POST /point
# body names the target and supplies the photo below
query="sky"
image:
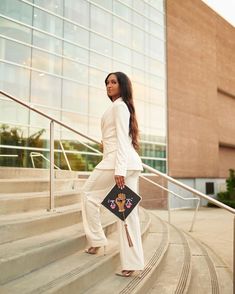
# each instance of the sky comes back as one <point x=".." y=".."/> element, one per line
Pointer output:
<point x="226" y="8"/>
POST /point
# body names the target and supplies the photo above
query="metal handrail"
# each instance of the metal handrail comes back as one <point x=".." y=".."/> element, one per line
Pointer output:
<point x="47" y="116"/>
<point x="65" y="155"/>
<point x="38" y="154"/>
<point x="178" y="196"/>
<point x="48" y="149"/>
<point x="147" y="167"/>
<point x="194" y="191"/>
<point x="53" y="120"/>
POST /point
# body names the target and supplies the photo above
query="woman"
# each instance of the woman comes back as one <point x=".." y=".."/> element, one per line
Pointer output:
<point x="121" y="165"/>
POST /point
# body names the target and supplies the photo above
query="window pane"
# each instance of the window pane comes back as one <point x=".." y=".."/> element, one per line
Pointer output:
<point x="19" y="32"/>
<point x="122" y="53"/>
<point x="98" y="102"/>
<point x="55" y="6"/>
<point x="97" y="77"/>
<point x="138" y="75"/>
<point x="156" y="15"/>
<point x="15" y="52"/>
<point x="76" y="52"/>
<point x="100" y="61"/>
<point x="47" y="22"/>
<point x="138" y="19"/>
<point x="138" y="60"/>
<point x="46" y="62"/>
<point x="122" y="31"/>
<point x="75" y="70"/>
<point x="17" y="10"/>
<point x="128" y="2"/>
<point x="105" y="3"/>
<point x="101" y="44"/>
<point x="122" y="10"/>
<point x="158" y="4"/>
<point x="11" y="112"/>
<point x="140" y="107"/>
<point x="76" y="34"/>
<point x="101" y="21"/>
<point x="76" y="121"/>
<point x="43" y="122"/>
<point x="156" y="82"/>
<point x="118" y="66"/>
<point x="156" y="48"/>
<point x="156" y="30"/>
<point x="75" y="97"/>
<point x="156" y="67"/>
<point x="138" y="39"/>
<point x="46" y="90"/>
<point x="157" y="97"/>
<point x="15" y="80"/>
<point x="138" y="5"/>
<point x="138" y="90"/>
<point x="47" y="42"/>
<point x="94" y="127"/>
<point x="157" y="119"/>
<point x="77" y="11"/>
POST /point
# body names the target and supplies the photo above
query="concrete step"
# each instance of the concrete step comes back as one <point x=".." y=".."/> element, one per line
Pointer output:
<point x="209" y="273"/>
<point x="23" y="256"/>
<point x="20" y="172"/>
<point x="38" y="185"/>
<point x="155" y="247"/>
<point x="22" y="225"/>
<point x="174" y="274"/>
<point x="30" y="201"/>
<point x="74" y="273"/>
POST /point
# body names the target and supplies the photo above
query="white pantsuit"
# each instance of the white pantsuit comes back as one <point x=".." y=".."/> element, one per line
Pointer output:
<point x="119" y="158"/>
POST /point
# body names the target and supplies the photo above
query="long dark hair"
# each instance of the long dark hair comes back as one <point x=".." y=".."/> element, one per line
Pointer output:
<point x="127" y="96"/>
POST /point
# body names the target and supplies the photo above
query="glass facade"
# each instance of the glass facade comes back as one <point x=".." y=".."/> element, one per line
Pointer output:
<point x="55" y="55"/>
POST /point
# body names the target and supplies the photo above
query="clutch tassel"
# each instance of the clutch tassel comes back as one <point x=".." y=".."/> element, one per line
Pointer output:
<point x="128" y="237"/>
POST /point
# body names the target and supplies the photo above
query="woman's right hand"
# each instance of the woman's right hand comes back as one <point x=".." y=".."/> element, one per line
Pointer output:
<point x="120" y="181"/>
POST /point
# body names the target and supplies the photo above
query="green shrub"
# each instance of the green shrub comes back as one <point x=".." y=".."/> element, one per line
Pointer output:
<point x="223" y="195"/>
<point x="228" y="197"/>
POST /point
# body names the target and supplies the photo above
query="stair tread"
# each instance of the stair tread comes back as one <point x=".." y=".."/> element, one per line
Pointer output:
<point x="55" y="273"/>
<point x="22" y="246"/>
<point x="14" y="249"/>
<point x="52" y="276"/>
<point x="37" y="214"/>
<point x="21" y="195"/>
<point x="173" y="274"/>
<point x="152" y="252"/>
<point x="208" y="270"/>
<point x="46" y="179"/>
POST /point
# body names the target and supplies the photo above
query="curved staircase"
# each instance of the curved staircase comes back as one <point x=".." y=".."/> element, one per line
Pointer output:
<point x="42" y="251"/>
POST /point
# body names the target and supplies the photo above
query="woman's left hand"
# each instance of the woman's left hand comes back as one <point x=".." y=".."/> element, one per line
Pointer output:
<point x="120" y="181"/>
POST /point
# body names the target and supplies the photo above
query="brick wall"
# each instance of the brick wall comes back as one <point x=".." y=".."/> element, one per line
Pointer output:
<point x="201" y="90"/>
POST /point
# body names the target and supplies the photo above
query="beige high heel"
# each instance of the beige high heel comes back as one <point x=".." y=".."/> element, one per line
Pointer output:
<point x="94" y="250"/>
<point x="125" y="273"/>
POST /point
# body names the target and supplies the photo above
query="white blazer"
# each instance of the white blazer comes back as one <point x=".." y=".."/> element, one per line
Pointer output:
<point x="118" y="151"/>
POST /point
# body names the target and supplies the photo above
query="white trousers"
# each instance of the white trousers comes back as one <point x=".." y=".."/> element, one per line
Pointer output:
<point x="94" y="191"/>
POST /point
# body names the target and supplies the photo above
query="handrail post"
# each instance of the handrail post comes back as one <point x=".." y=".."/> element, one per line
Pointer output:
<point x="52" y="182"/>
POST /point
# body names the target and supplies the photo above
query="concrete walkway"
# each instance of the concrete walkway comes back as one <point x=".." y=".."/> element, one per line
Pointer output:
<point x="213" y="227"/>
